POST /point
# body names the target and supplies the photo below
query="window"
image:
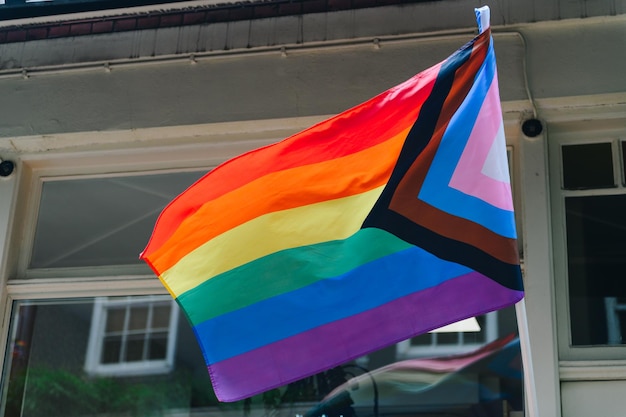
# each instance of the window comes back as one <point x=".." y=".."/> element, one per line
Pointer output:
<point x="51" y="340"/>
<point x="596" y="253"/>
<point x="590" y="245"/>
<point x="98" y="222"/>
<point x="587" y="166"/>
<point x="132" y="335"/>
<point x="481" y="331"/>
<point x="92" y="331"/>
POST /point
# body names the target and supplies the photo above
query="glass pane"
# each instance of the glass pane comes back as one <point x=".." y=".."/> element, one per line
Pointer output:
<point x="157" y="346"/>
<point x="447" y="338"/>
<point x="161" y="316"/>
<point x="422" y="340"/>
<point x="101" y="221"/>
<point x="587" y="166"/>
<point x="138" y="318"/>
<point x="111" y="349"/>
<point x="45" y="376"/>
<point x="596" y="253"/>
<point x="135" y="348"/>
<point x="115" y="319"/>
<point x="476" y="337"/>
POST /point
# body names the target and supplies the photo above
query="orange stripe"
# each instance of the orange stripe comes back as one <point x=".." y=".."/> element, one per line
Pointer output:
<point x="282" y="190"/>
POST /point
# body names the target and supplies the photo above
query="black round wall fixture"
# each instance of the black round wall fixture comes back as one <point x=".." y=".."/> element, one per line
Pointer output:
<point x="532" y="128"/>
<point x="6" y="168"/>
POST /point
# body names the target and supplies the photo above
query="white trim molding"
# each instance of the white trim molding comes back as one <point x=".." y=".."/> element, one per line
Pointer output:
<point x="592" y="370"/>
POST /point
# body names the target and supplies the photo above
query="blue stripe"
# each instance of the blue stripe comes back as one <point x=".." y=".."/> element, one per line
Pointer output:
<point x="361" y="289"/>
<point x="436" y="191"/>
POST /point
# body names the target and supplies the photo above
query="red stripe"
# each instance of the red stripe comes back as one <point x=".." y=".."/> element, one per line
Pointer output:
<point x="356" y="129"/>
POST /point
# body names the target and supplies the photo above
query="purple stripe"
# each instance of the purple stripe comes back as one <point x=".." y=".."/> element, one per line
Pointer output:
<point x="324" y="347"/>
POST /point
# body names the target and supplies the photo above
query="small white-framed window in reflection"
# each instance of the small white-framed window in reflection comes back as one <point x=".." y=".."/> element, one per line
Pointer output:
<point x="450" y="341"/>
<point x="132" y="336"/>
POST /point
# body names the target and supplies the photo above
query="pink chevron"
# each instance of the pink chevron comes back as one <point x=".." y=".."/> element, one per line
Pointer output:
<point x="481" y="171"/>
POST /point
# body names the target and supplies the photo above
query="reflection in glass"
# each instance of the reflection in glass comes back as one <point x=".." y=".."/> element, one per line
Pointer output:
<point x="157" y="346"/>
<point x="46" y="373"/>
<point x="138" y="318"/>
<point x="161" y="316"/>
<point x="111" y="349"/>
<point x="115" y="320"/>
<point x="101" y="221"/>
<point x="134" y="348"/>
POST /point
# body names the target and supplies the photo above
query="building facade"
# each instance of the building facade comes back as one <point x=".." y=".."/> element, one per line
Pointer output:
<point x="108" y="114"/>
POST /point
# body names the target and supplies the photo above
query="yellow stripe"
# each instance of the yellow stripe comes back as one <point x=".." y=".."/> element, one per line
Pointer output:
<point x="273" y="232"/>
<point x="281" y="190"/>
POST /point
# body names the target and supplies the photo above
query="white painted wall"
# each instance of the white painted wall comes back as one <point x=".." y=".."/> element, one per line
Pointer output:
<point x="593" y="398"/>
<point x="567" y="58"/>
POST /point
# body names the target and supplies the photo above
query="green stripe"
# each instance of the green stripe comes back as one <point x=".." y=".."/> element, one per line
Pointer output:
<point x="285" y="271"/>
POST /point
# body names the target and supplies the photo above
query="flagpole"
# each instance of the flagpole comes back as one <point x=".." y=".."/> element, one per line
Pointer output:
<point x="529" y="376"/>
<point x="483" y="19"/>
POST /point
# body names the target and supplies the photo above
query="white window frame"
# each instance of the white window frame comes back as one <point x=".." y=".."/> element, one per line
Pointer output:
<point x="93" y="363"/>
<point x="576" y="122"/>
<point x="567" y="352"/>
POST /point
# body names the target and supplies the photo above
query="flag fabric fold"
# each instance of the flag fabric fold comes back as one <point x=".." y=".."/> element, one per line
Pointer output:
<point x="386" y="221"/>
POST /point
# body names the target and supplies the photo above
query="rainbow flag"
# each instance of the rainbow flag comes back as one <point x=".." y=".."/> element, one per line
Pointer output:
<point x="384" y="222"/>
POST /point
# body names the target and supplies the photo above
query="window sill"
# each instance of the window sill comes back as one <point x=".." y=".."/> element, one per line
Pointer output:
<point x="592" y="370"/>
